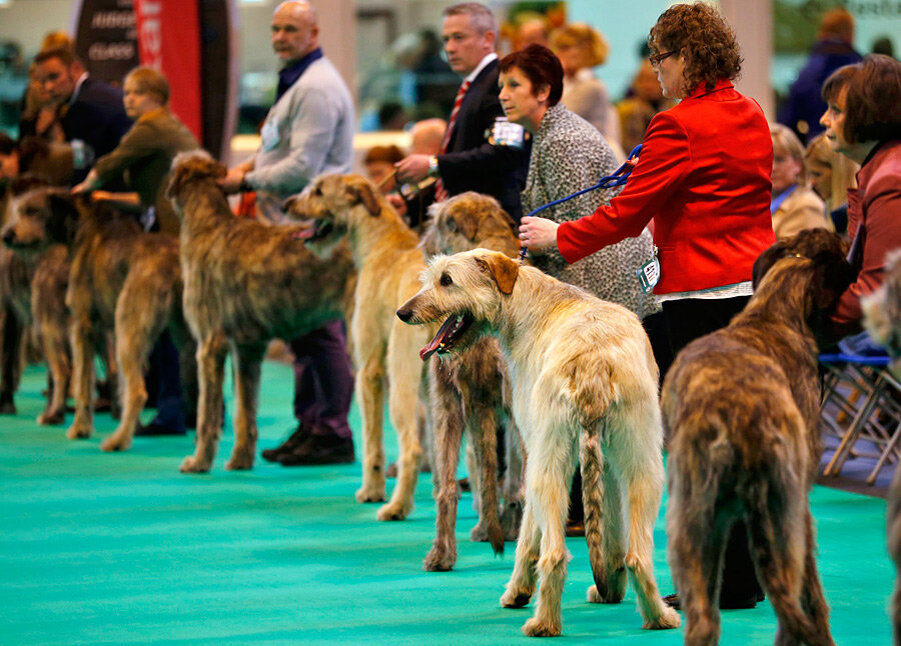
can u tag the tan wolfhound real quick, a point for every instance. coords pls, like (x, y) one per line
(741, 408)
(583, 376)
(245, 283)
(469, 394)
(388, 264)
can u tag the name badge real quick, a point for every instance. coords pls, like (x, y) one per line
(649, 274)
(505, 133)
(269, 135)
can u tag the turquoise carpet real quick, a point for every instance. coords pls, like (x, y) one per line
(123, 549)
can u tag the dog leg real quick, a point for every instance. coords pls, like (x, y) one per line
(448, 435)
(522, 582)
(370, 394)
(483, 436)
(211, 353)
(812, 598)
(56, 351)
(13, 332)
(83, 373)
(644, 488)
(248, 361)
(406, 373)
(514, 453)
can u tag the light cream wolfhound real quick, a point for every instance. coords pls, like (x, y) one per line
(388, 264)
(583, 375)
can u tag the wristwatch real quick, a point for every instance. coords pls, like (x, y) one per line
(433, 166)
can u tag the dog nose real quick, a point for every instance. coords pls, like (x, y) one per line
(405, 315)
(9, 237)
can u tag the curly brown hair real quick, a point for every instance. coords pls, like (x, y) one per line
(703, 37)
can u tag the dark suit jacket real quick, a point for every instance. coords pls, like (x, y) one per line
(97, 118)
(473, 164)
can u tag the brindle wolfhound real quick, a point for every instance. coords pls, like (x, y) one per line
(123, 283)
(469, 394)
(245, 283)
(388, 263)
(882, 317)
(741, 408)
(34, 271)
(583, 375)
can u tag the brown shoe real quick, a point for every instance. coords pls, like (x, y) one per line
(320, 449)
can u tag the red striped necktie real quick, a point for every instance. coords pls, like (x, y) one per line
(440, 191)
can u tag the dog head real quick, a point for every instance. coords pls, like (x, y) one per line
(882, 311)
(469, 221)
(332, 205)
(39, 216)
(190, 167)
(466, 292)
(52, 161)
(807, 243)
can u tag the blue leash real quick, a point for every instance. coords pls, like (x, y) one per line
(617, 178)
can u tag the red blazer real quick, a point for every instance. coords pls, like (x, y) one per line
(874, 208)
(704, 178)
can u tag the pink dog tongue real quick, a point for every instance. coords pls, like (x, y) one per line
(303, 234)
(432, 346)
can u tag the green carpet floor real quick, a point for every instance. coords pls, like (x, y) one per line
(123, 549)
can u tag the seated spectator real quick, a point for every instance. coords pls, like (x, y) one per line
(426, 138)
(863, 122)
(831, 175)
(643, 100)
(145, 153)
(794, 205)
(39, 115)
(580, 48)
(379, 163)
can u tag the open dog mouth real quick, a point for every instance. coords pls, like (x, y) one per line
(448, 335)
(319, 230)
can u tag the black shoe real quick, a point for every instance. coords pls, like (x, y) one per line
(673, 601)
(575, 528)
(320, 449)
(298, 437)
(154, 429)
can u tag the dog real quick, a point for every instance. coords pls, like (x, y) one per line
(741, 409)
(469, 393)
(245, 283)
(388, 263)
(34, 273)
(123, 284)
(583, 375)
(882, 318)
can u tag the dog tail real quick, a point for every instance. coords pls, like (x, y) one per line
(591, 461)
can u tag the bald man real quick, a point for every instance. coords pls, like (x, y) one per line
(309, 131)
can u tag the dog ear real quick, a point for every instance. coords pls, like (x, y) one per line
(63, 219)
(766, 260)
(365, 193)
(501, 268)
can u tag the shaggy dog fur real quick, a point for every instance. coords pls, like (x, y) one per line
(123, 283)
(245, 283)
(741, 406)
(583, 376)
(468, 394)
(34, 272)
(388, 263)
(882, 317)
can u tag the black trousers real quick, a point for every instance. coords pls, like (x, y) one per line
(688, 319)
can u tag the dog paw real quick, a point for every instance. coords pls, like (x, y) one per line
(239, 463)
(479, 534)
(116, 442)
(192, 465)
(366, 494)
(613, 592)
(511, 518)
(439, 560)
(668, 619)
(48, 418)
(511, 599)
(392, 511)
(78, 432)
(537, 628)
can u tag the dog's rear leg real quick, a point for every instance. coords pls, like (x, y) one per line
(248, 360)
(82, 341)
(514, 452)
(812, 598)
(521, 585)
(483, 436)
(369, 390)
(11, 351)
(447, 415)
(211, 353)
(56, 351)
(405, 373)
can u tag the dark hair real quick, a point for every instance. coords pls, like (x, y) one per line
(703, 37)
(7, 144)
(390, 154)
(64, 54)
(541, 67)
(873, 100)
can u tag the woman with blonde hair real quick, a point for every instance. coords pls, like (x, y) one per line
(831, 175)
(794, 206)
(579, 48)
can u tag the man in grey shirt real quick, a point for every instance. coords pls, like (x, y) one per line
(309, 131)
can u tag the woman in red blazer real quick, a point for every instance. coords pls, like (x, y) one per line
(703, 182)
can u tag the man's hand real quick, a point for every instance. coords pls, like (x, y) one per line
(412, 169)
(538, 233)
(231, 183)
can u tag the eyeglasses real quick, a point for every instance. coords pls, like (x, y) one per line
(655, 59)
